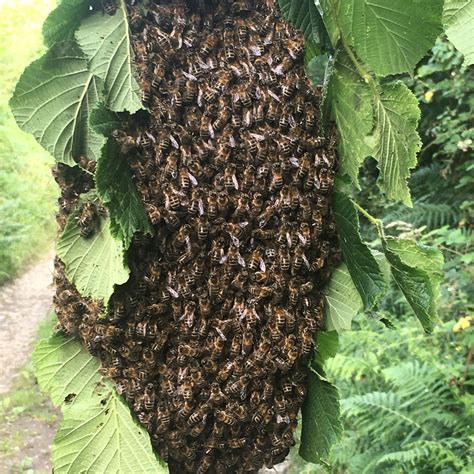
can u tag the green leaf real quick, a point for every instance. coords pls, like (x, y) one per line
(95, 264)
(103, 121)
(321, 423)
(342, 300)
(64, 369)
(458, 20)
(304, 15)
(330, 12)
(118, 192)
(52, 101)
(64, 20)
(327, 346)
(105, 40)
(396, 141)
(417, 270)
(391, 36)
(362, 266)
(103, 437)
(350, 100)
(98, 433)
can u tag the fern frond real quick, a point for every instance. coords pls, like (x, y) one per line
(372, 408)
(343, 367)
(438, 454)
(426, 214)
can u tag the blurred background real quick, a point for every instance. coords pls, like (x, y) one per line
(407, 398)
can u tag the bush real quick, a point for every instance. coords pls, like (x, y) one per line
(27, 190)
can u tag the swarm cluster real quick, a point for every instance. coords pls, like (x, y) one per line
(210, 338)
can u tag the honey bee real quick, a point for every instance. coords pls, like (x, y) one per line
(306, 343)
(326, 180)
(230, 179)
(203, 228)
(109, 7)
(222, 119)
(284, 66)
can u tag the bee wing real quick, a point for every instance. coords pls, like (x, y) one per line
(173, 292)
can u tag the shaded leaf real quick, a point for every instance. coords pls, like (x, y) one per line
(304, 15)
(350, 101)
(321, 423)
(63, 369)
(342, 300)
(118, 192)
(417, 270)
(105, 40)
(103, 121)
(396, 141)
(458, 20)
(363, 268)
(95, 264)
(52, 101)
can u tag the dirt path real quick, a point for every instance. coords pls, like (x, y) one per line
(23, 304)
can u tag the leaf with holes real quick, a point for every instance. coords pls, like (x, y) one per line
(321, 423)
(458, 19)
(118, 192)
(94, 264)
(351, 105)
(396, 141)
(52, 101)
(105, 40)
(417, 270)
(342, 300)
(65, 370)
(362, 266)
(103, 437)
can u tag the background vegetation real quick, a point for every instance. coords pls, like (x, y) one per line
(407, 398)
(27, 189)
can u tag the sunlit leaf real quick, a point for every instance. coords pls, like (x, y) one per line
(458, 19)
(94, 264)
(65, 370)
(342, 300)
(52, 101)
(105, 40)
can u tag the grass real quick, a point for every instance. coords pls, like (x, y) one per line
(27, 421)
(27, 189)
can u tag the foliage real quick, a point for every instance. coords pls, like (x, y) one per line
(93, 414)
(377, 117)
(93, 265)
(407, 398)
(27, 190)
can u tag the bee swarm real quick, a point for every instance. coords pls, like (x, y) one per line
(210, 338)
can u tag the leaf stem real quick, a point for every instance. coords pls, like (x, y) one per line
(365, 75)
(373, 220)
